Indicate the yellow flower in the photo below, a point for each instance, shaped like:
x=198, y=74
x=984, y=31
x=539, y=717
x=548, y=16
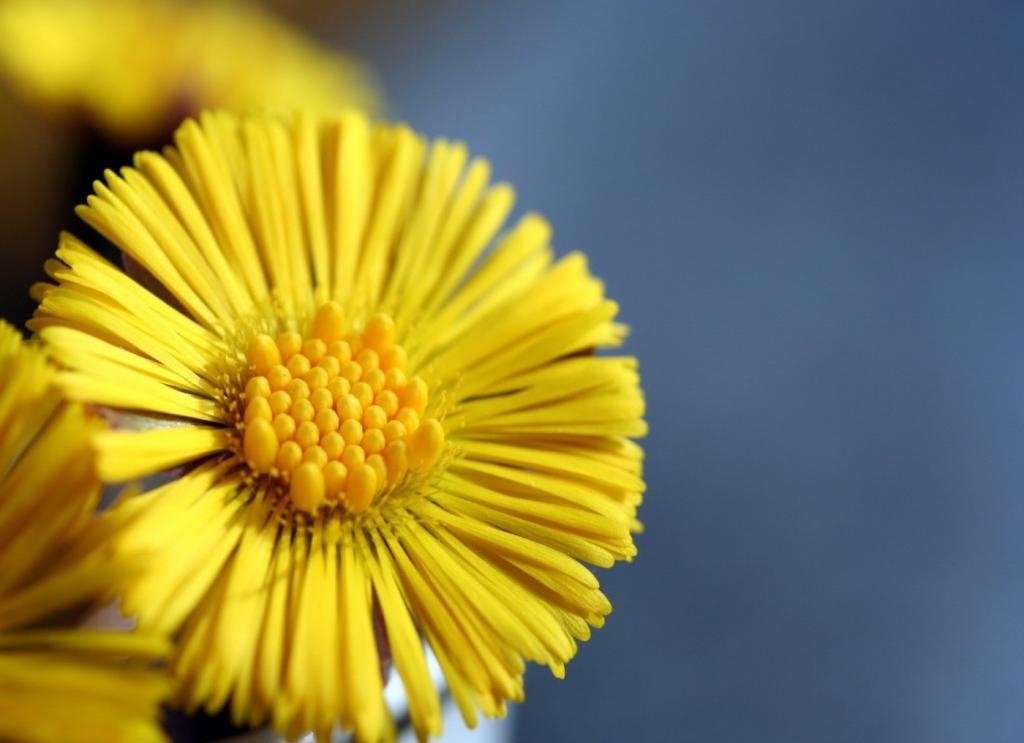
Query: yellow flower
x=135, y=68
x=58, y=682
x=391, y=416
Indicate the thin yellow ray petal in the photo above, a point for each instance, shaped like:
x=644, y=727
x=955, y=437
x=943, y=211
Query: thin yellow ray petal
x=406, y=646
x=530, y=236
x=360, y=664
x=111, y=287
x=109, y=216
x=285, y=174
x=564, y=292
x=421, y=225
x=440, y=625
x=487, y=220
x=145, y=202
x=177, y=196
x=125, y=455
x=82, y=311
x=104, y=386
x=310, y=183
x=544, y=458
x=532, y=611
x=399, y=175
x=210, y=181
x=566, y=378
x=514, y=546
x=349, y=188
x=458, y=213
x=543, y=487
x=79, y=350
x=498, y=664
x=555, y=341
x=495, y=622
x=90, y=641
x=270, y=653
x=238, y=632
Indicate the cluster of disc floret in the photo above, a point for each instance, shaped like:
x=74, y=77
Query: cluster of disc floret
x=333, y=415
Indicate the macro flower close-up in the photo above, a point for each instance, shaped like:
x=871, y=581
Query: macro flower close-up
x=59, y=679
x=328, y=330
x=388, y=417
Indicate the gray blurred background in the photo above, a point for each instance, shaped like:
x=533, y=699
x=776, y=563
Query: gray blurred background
x=811, y=215
x=810, y=212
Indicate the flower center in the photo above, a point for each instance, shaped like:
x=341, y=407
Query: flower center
x=333, y=415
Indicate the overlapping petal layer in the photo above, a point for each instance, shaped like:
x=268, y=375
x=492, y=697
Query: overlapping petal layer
x=59, y=682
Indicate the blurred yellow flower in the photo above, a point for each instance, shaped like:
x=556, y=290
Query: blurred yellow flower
x=391, y=416
x=58, y=682
x=136, y=68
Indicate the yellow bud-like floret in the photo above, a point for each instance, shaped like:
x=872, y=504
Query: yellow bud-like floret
x=380, y=467
x=387, y=401
x=362, y=486
x=316, y=455
x=395, y=431
x=397, y=457
x=263, y=354
x=426, y=444
x=394, y=358
x=363, y=393
x=374, y=417
x=316, y=378
x=314, y=350
x=352, y=431
x=331, y=365
x=297, y=389
x=258, y=408
x=307, y=434
x=279, y=377
x=329, y=322
x=307, y=489
x=284, y=427
x=375, y=378
x=321, y=399
x=280, y=402
x=333, y=444
x=415, y=395
x=380, y=332
x=327, y=421
x=260, y=445
x=335, y=477
x=289, y=343
x=373, y=441
x=298, y=365
x=257, y=387
x=289, y=456
x=353, y=456
x=302, y=411
x=349, y=408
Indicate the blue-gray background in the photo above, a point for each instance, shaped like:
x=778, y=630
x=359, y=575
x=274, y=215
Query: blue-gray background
x=811, y=214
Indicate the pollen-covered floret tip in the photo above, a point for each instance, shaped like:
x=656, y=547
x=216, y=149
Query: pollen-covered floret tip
x=329, y=322
x=260, y=445
x=379, y=334
x=262, y=354
x=362, y=486
x=307, y=488
x=426, y=444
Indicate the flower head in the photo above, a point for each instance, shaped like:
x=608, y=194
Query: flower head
x=59, y=682
x=392, y=418
x=135, y=68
